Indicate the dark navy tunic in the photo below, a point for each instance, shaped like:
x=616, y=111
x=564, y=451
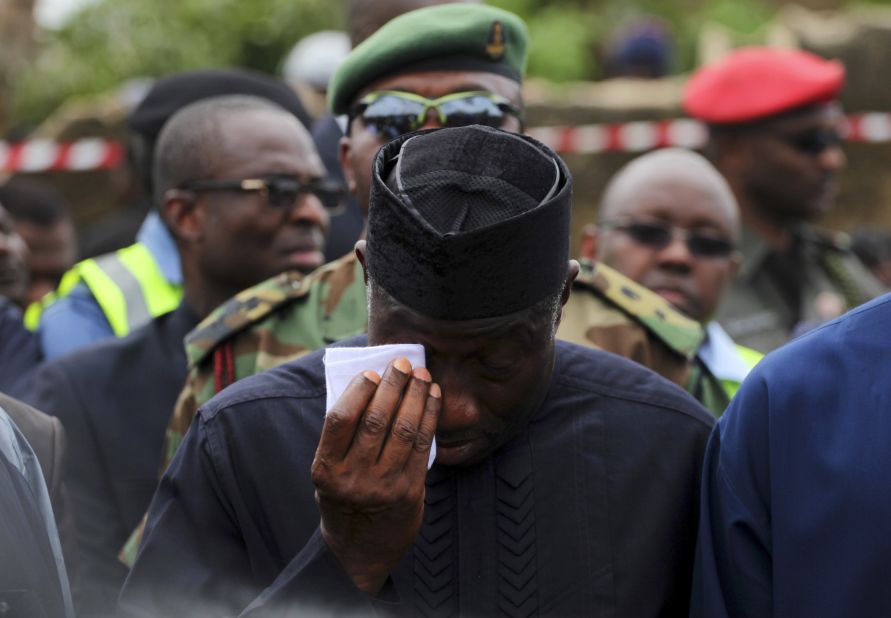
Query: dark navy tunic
x=19, y=352
x=796, y=500
x=592, y=510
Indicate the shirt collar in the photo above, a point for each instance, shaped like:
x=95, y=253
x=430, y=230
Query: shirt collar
x=158, y=240
x=720, y=355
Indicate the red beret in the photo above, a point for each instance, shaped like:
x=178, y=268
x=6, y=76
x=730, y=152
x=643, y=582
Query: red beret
x=756, y=82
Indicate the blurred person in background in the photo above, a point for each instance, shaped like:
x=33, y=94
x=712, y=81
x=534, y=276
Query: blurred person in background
x=19, y=348
x=310, y=64
x=640, y=50
x=775, y=134
x=113, y=294
x=873, y=247
x=669, y=221
x=238, y=181
x=43, y=220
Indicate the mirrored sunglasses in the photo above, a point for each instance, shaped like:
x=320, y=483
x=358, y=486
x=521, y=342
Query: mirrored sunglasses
x=391, y=113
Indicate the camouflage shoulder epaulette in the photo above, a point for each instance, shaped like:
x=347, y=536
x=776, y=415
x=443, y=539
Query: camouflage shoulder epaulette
x=679, y=332
x=245, y=308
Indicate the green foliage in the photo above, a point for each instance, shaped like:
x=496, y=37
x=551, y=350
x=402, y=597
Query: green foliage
x=114, y=40
x=569, y=36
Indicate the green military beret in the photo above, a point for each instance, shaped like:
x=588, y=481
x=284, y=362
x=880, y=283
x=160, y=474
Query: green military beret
x=447, y=37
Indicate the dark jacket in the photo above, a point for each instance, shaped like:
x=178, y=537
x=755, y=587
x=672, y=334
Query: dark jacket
x=114, y=399
x=591, y=510
x=33, y=582
x=47, y=439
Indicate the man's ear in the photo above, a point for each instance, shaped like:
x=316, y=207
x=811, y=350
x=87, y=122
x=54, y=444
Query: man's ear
x=184, y=215
x=361, y=250
x=588, y=242
x=345, y=156
x=572, y=272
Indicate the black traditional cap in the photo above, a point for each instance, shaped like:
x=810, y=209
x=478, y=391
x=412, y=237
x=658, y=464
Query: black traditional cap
x=468, y=222
x=172, y=93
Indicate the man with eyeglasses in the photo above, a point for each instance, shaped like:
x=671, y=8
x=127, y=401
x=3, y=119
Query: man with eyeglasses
x=243, y=190
x=668, y=221
x=775, y=129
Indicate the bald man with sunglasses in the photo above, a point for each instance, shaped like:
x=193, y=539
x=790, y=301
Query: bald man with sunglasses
x=775, y=129
x=669, y=221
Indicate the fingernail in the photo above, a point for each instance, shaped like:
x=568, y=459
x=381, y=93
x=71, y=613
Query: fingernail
x=372, y=375
x=434, y=391
x=402, y=365
x=420, y=373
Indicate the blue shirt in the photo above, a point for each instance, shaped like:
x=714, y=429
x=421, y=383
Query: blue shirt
x=796, y=490
x=77, y=320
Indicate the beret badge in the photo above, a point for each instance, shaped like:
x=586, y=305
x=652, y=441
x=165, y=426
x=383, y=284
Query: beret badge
x=496, y=45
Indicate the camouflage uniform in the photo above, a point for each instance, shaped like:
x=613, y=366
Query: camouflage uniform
x=608, y=310
x=755, y=311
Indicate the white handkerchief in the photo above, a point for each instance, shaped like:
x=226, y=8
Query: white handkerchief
x=344, y=364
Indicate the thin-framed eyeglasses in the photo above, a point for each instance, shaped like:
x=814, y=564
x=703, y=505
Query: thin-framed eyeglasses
x=659, y=235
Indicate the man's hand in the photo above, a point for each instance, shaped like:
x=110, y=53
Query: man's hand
x=370, y=468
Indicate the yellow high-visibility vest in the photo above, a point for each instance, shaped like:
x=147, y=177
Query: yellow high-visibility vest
x=750, y=358
x=128, y=286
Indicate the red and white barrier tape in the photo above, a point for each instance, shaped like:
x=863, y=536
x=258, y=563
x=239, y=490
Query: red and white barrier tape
x=41, y=155
x=91, y=154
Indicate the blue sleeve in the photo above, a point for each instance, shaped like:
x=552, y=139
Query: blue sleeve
x=197, y=560
x=73, y=321
x=733, y=574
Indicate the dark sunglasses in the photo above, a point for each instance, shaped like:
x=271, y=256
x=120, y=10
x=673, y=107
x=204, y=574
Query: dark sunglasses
x=813, y=141
x=659, y=235
x=391, y=113
x=280, y=192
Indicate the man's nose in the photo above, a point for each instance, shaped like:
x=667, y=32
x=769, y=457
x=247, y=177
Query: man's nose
x=460, y=409
x=309, y=211
x=676, y=253
x=833, y=158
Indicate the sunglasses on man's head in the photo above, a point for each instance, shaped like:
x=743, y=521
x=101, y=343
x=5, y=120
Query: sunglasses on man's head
x=813, y=141
x=659, y=235
x=280, y=191
x=391, y=113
